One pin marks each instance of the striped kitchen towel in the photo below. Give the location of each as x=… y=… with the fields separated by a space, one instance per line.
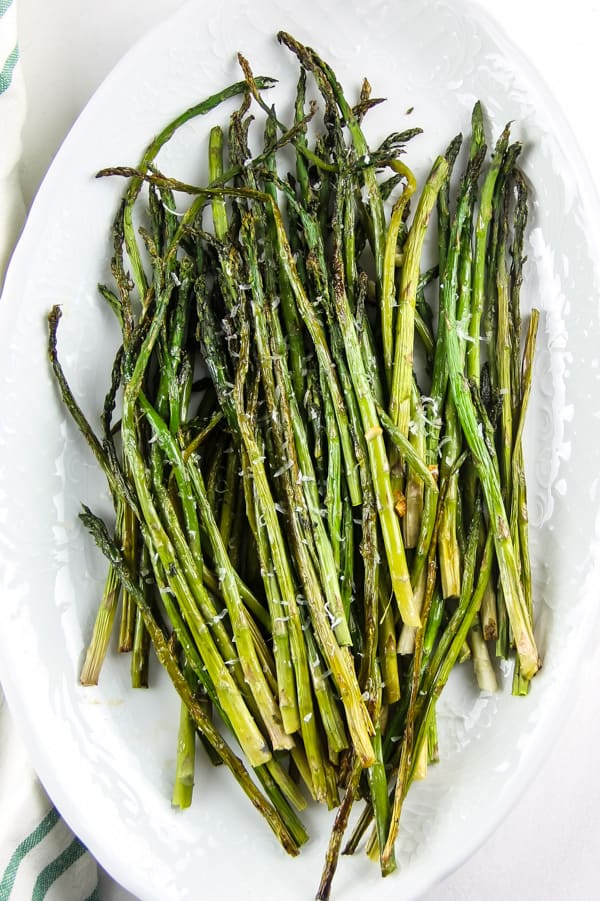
x=40 y=858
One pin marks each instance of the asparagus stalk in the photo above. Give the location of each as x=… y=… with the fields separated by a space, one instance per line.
x=407 y=296
x=183 y=785
x=389 y=269
x=519 y=505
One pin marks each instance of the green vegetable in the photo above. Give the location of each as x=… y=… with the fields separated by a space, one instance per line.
x=309 y=529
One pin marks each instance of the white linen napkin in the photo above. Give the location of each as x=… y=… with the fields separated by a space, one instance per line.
x=40 y=858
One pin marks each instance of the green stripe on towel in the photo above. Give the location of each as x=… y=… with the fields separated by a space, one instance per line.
x=28 y=843
x=7 y=72
x=55 y=870
x=4 y=6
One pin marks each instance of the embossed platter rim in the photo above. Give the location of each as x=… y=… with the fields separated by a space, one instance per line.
x=51 y=575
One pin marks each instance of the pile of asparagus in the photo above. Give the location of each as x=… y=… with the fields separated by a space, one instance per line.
x=317 y=467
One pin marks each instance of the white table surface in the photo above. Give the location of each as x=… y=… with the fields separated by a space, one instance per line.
x=548 y=846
